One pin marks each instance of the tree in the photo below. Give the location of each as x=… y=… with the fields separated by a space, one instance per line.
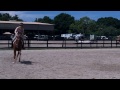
x=16 y=18
x=84 y=25
x=62 y=22
x=5 y=17
x=110 y=31
x=92 y=27
x=109 y=21
x=75 y=27
x=46 y=19
x=36 y=20
x=39 y=20
x=85 y=21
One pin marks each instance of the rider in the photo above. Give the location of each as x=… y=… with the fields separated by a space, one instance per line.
x=20 y=30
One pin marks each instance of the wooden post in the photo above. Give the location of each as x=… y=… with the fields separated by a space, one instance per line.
x=8 y=43
x=77 y=44
x=116 y=43
x=111 y=42
x=103 y=42
x=96 y=43
x=28 y=43
x=65 y=43
x=47 y=43
x=81 y=44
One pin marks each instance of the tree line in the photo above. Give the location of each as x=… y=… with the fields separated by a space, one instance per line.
x=65 y=23
x=7 y=17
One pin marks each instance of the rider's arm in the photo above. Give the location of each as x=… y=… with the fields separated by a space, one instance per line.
x=16 y=31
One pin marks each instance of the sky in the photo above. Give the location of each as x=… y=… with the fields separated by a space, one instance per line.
x=29 y=16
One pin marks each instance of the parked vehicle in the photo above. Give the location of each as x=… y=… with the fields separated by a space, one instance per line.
x=67 y=36
x=72 y=36
x=104 y=37
x=101 y=37
x=41 y=37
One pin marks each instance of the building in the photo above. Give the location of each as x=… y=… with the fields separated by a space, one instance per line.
x=31 y=28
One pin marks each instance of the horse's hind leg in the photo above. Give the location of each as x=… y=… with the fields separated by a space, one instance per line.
x=14 y=56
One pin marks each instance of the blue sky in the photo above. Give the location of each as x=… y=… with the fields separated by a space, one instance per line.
x=31 y=15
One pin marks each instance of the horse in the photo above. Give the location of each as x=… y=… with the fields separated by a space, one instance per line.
x=17 y=46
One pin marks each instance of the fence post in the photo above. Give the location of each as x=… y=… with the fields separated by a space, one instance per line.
x=81 y=44
x=24 y=42
x=8 y=43
x=116 y=43
x=103 y=42
x=90 y=44
x=11 y=44
x=77 y=43
x=28 y=43
x=65 y=43
x=47 y=43
x=96 y=43
x=111 y=42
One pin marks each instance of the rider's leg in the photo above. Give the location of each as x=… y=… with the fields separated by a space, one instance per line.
x=13 y=40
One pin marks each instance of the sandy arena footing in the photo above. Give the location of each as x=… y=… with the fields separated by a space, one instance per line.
x=62 y=64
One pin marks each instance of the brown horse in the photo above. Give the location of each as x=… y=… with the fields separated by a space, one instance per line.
x=17 y=46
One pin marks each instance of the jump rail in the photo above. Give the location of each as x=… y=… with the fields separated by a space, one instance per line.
x=63 y=44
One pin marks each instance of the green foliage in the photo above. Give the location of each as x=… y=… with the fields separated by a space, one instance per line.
x=109 y=21
x=39 y=19
x=103 y=26
x=84 y=25
x=110 y=31
x=75 y=27
x=63 y=21
x=45 y=19
x=7 y=17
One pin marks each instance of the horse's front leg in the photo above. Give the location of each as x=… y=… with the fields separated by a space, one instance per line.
x=14 y=56
x=19 y=56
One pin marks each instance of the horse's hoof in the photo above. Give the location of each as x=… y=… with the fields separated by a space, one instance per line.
x=13 y=62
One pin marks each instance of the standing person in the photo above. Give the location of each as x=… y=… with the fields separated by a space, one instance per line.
x=19 y=30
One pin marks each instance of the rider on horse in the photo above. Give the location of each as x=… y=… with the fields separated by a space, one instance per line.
x=19 y=31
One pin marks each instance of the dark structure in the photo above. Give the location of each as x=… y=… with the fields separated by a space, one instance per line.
x=31 y=28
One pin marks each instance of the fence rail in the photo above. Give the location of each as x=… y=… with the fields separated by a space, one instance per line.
x=63 y=44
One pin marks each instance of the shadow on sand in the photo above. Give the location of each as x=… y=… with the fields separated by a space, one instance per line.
x=26 y=62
